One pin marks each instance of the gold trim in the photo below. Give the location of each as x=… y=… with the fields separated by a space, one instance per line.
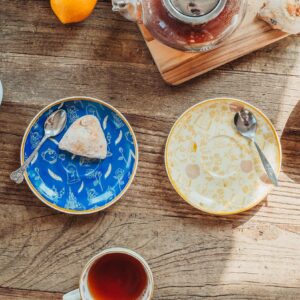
x=70 y=211
x=119 y=250
x=221 y=213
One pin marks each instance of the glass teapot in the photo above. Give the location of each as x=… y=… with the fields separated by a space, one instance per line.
x=188 y=25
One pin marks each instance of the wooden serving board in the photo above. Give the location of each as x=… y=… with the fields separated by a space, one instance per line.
x=177 y=67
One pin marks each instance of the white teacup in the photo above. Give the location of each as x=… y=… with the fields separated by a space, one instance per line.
x=83 y=293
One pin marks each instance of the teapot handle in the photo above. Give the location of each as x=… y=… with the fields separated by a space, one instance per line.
x=127 y=8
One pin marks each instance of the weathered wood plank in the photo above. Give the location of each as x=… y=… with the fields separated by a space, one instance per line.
x=13 y=294
x=280 y=58
x=254 y=255
x=151 y=179
x=51 y=245
x=208 y=257
x=132 y=88
x=106 y=36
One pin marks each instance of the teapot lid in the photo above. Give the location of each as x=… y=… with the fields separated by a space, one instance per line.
x=195 y=11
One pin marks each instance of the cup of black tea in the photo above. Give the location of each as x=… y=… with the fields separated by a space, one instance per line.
x=114 y=274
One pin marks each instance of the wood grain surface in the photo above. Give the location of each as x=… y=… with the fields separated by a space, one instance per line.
x=177 y=67
x=254 y=255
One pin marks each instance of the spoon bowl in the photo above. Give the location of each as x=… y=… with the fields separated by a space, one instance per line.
x=246 y=123
x=55 y=123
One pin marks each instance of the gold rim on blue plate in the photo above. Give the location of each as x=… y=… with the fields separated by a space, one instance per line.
x=70 y=211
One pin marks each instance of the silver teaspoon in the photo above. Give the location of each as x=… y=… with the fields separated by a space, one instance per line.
x=53 y=126
x=246 y=124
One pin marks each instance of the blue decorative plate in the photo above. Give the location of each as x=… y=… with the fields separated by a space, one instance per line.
x=75 y=184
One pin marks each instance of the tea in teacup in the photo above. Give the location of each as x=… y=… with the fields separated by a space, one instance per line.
x=117 y=276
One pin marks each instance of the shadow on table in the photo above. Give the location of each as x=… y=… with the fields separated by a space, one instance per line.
x=290 y=141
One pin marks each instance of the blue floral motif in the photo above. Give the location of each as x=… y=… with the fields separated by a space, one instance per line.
x=79 y=184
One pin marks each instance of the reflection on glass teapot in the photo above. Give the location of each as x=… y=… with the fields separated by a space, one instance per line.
x=188 y=25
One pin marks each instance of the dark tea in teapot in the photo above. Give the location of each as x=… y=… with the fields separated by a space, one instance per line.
x=189 y=25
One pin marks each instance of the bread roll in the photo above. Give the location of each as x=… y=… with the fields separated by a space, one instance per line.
x=282 y=14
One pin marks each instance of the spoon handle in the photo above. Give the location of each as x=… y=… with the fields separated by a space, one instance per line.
x=18 y=175
x=270 y=172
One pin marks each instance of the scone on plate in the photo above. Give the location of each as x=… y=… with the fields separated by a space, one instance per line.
x=282 y=14
x=85 y=137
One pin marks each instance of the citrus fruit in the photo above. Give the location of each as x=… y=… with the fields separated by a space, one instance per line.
x=72 y=11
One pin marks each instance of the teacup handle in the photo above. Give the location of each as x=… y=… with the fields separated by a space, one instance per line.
x=73 y=295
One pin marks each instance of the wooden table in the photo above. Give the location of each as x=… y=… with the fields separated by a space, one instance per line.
x=254 y=255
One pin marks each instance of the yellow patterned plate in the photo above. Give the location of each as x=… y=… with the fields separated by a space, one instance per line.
x=214 y=168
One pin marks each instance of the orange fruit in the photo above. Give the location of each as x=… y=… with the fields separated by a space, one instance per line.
x=72 y=11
